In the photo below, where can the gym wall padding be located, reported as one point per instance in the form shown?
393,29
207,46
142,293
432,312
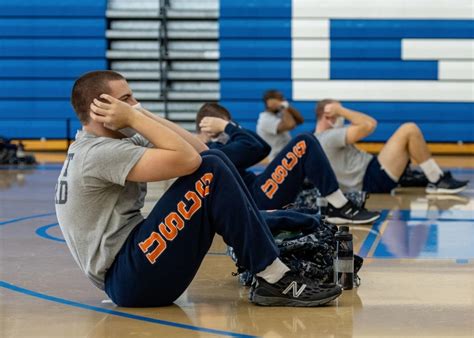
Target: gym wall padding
44,46
399,60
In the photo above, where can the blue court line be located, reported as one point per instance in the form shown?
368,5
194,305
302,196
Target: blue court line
370,239
436,220
43,232
68,302
25,218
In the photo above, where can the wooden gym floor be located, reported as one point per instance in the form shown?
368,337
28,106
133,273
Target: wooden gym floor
417,280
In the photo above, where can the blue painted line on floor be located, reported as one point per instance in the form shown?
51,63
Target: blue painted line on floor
462,261
43,232
32,167
370,239
68,302
14,220
436,220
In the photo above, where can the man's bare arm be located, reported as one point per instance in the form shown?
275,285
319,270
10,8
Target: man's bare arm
296,115
172,156
195,142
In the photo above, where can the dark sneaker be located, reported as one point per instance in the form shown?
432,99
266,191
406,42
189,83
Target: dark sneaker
446,185
292,290
350,214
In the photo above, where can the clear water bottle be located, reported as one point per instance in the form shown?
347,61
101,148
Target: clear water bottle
344,259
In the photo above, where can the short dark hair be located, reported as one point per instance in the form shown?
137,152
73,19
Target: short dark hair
320,107
88,87
213,110
272,94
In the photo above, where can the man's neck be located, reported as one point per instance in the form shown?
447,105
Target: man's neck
101,131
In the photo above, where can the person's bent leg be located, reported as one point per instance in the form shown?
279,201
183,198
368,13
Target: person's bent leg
283,178
405,144
408,143
162,255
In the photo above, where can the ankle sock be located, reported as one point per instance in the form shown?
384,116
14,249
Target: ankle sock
274,272
431,169
337,199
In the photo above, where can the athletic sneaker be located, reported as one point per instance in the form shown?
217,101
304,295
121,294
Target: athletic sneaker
350,214
292,290
446,185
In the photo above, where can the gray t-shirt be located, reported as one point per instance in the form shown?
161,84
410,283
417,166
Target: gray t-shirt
96,207
348,162
267,128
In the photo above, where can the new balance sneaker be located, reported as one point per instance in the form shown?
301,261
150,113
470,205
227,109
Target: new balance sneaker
292,290
350,214
446,185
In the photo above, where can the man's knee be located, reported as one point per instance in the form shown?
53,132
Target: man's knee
410,128
310,141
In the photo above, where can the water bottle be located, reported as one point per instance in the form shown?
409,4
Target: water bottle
344,259
322,204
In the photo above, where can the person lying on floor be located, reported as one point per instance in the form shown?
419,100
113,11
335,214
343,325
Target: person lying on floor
358,170
281,181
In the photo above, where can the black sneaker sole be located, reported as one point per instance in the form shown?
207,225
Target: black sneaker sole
281,301
339,220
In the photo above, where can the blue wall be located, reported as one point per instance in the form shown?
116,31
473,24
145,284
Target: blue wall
44,46
262,42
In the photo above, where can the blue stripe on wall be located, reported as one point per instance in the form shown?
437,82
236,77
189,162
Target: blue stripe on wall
36,89
53,48
395,70
255,9
359,69
71,27
251,69
386,29
37,128
366,49
253,90
46,68
254,29
382,111
255,49
53,8
36,109
436,132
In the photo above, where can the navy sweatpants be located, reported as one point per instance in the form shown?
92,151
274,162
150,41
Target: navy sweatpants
282,180
162,255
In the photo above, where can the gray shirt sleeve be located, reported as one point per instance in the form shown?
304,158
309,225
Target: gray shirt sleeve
269,123
111,160
335,138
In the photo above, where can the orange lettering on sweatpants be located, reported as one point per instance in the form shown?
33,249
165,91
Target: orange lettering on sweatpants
146,244
269,188
293,161
300,148
190,196
279,174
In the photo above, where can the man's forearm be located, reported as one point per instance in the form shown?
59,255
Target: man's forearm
355,117
161,136
296,115
196,143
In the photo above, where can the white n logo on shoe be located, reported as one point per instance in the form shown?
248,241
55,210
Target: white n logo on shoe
294,286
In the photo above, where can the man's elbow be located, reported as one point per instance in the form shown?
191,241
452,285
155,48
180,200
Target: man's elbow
192,164
371,126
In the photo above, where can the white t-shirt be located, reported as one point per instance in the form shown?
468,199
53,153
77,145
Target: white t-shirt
267,128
